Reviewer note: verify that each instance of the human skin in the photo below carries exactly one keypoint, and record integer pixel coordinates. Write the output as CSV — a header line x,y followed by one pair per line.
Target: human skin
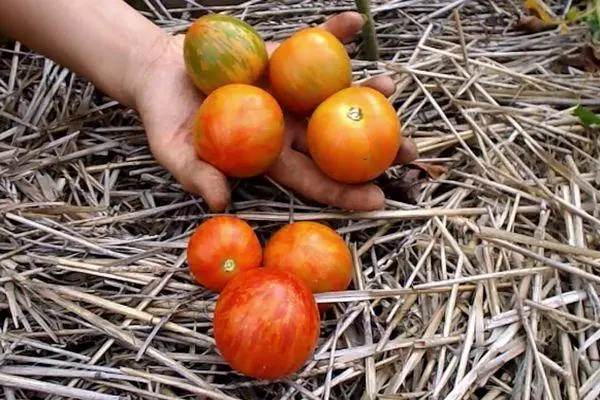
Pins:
x,y
134,62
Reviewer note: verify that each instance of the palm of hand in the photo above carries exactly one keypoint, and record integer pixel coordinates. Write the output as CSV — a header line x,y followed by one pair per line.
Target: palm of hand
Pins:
x,y
167,108
169,102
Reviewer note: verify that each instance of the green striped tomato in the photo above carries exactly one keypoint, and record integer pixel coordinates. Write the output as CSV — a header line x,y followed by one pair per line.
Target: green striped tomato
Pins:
x,y
220,49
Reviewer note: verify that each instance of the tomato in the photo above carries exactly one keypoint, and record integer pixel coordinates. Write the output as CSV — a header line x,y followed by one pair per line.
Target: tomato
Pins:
x,y
308,67
354,135
220,248
312,251
239,129
266,323
220,49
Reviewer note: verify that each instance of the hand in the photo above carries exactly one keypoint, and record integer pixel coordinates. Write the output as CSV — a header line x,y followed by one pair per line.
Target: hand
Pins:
x,y
167,102
297,171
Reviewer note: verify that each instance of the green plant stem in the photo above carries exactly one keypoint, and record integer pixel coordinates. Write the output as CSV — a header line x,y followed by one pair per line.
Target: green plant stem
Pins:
x,y
368,31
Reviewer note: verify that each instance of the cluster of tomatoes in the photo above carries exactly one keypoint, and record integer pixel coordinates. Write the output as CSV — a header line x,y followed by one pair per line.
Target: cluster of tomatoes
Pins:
x,y
266,321
353,133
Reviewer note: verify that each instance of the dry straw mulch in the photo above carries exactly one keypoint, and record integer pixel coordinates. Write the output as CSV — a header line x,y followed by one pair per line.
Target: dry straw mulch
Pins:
x,y
485,287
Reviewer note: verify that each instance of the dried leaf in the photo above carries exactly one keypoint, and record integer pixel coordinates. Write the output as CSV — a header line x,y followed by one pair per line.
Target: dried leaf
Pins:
x,y
585,60
406,186
532,23
541,9
542,18
433,170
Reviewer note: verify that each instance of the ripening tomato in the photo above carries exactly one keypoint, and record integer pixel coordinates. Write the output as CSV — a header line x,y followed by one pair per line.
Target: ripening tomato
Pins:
x,y
314,252
220,248
266,323
354,135
221,49
306,68
239,129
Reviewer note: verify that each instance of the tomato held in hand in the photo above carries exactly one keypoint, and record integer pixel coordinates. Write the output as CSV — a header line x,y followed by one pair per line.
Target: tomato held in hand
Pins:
x,y
308,67
312,251
220,248
239,129
266,323
220,49
354,135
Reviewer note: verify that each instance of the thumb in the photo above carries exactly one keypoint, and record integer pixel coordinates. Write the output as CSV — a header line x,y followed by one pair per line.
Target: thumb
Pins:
x,y
407,153
196,176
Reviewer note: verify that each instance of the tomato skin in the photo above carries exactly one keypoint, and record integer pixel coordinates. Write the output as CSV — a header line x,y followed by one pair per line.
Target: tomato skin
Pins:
x,y
266,323
239,129
220,49
354,135
306,68
312,251
220,248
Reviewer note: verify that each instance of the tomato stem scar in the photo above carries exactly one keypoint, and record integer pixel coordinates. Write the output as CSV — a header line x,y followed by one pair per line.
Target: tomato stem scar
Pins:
x,y
355,114
229,265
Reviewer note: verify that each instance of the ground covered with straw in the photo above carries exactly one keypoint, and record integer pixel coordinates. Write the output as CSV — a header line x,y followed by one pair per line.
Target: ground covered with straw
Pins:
x,y
482,283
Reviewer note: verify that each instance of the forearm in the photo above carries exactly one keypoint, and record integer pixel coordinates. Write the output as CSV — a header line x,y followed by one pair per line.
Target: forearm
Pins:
x,y
106,41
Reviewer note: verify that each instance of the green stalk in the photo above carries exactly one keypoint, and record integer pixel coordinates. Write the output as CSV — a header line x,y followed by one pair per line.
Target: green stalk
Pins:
x,y
368,30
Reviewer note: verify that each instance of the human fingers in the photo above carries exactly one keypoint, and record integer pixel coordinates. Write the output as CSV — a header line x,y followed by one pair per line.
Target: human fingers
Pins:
x,y
299,173
271,46
344,25
195,175
407,152
381,83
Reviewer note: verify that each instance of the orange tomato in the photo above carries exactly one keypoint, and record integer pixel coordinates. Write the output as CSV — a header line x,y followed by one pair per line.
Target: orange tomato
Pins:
x,y
308,67
220,248
354,135
219,49
314,252
239,129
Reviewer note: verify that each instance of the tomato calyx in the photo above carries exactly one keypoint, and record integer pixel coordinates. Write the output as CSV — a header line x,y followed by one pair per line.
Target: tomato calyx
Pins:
x,y
355,113
229,265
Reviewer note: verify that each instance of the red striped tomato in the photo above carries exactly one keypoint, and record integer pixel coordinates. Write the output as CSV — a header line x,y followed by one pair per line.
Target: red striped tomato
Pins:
x,y
266,323
239,129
